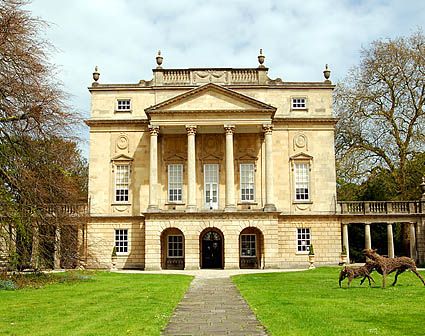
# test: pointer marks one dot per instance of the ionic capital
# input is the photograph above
(267, 128)
(229, 129)
(191, 129)
(154, 130)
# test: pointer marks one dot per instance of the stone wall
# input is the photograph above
(100, 242)
(325, 236)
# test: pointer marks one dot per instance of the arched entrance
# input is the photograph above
(212, 248)
(251, 248)
(172, 249)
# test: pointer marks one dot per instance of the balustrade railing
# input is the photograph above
(70, 209)
(203, 76)
(381, 207)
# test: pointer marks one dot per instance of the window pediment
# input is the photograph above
(301, 157)
(121, 158)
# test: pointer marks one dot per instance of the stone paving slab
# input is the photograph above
(213, 306)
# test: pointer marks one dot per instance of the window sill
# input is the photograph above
(122, 111)
(247, 203)
(302, 202)
(175, 203)
(299, 109)
(120, 203)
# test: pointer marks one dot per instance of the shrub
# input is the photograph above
(7, 285)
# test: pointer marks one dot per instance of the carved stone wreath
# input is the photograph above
(122, 142)
(300, 141)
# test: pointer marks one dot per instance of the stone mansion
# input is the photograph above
(216, 168)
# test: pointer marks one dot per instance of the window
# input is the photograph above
(175, 182)
(303, 239)
(247, 181)
(248, 245)
(175, 246)
(123, 105)
(122, 174)
(299, 103)
(121, 240)
(302, 181)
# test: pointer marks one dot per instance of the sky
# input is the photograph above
(298, 38)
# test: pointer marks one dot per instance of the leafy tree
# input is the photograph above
(380, 106)
(39, 161)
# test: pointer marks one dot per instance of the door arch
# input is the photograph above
(211, 246)
(251, 248)
(172, 249)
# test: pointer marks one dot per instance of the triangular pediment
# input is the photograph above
(121, 157)
(301, 156)
(210, 97)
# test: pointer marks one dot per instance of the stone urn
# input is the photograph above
(114, 259)
(311, 257)
(342, 259)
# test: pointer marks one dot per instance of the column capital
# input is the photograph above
(229, 129)
(191, 129)
(267, 128)
(154, 130)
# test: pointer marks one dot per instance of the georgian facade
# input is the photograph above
(212, 168)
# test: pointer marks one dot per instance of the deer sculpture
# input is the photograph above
(385, 266)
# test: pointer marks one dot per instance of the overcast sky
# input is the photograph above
(298, 37)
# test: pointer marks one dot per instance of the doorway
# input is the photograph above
(212, 249)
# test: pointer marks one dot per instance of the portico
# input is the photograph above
(241, 115)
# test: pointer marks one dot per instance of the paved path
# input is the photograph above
(213, 306)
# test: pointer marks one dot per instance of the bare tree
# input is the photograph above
(380, 106)
(39, 161)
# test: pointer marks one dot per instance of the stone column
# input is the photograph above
(191, 168)
(57, 255)
(35, 248)
(390, 240)
(269, 205)
(230, 170)
(153, 168)
(413, 254)
(367, 236)
(345, 240)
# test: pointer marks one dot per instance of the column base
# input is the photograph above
(152, 208)
(231, 266)
(191, 208)
(152, 268)
(269, 207)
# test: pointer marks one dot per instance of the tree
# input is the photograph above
(39, 161)
(380, 106)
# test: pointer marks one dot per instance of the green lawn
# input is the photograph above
(311, 303)
(109, 304)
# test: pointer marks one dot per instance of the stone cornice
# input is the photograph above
(115, 122)
(212, 214)
(144, 87)
(279, 120)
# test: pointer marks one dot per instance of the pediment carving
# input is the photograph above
(174, 148)
(211, 145)
(210, 76)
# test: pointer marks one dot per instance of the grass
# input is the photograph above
(107, 304)
(311, 303)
